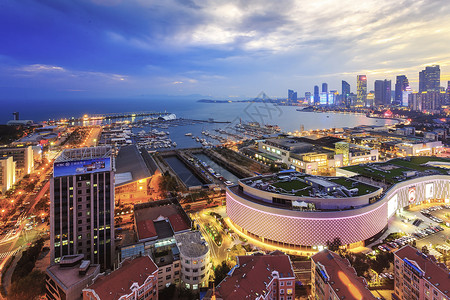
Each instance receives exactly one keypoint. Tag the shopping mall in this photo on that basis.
(302, 212)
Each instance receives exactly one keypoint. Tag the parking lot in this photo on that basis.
(425, 224)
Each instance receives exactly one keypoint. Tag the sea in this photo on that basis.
(288, 118)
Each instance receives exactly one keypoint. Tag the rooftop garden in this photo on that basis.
(392, 171)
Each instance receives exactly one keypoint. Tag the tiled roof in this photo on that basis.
(248, 280)
(118, 283)
(146, 229)
(342, 276)
(177, 222)
(437, 274)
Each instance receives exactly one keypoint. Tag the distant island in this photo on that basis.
(213, 101)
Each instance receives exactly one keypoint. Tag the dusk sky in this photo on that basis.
(221, 49)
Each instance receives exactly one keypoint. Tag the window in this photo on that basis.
(281, 292)
(187, 261)
(176, 265)
(187, 277)
(177, 272)
(187, 269)
(194, 270)
(168, 269)
(281, 283)
(289, 283)
(168, 277)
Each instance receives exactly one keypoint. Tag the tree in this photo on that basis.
(382, 262)
(28, 287)
(335, 244)
(425, 250)
(221, 272)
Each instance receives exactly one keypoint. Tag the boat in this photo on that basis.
(228, 183)
(188, 134)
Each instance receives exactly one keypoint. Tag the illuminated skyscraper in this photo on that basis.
(400, 86)
(308, 97)
(82, 205)
(344, 149)
(361, 90)
(316, 95)
(292, 96)
(430, 79)
(382, 92)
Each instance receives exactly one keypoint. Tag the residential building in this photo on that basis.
(447, 99)
(361, 90)
(332, 277)
(258, 277)
(7, 173)
(23, 156)
(430, 102)
(156, 223)
(195, 259)
(401, 85)
(345, 92)
(68, 278)
(134, 279)
(82, 205)
(419, 276)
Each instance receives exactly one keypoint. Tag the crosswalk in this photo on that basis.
(5, 254)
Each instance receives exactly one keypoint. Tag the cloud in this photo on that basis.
(223, 47)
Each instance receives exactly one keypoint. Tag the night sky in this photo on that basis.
(113, 48)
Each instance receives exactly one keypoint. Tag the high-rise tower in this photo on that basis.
(401, 85)
(82, 205)
(430, 79)
(382, 92)
(361, 90)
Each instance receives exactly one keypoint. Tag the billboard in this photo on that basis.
(392, 205)
(429, 191)
(412, 194)
(85, 166)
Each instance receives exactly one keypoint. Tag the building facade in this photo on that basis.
(82, 205)
(419, 276)
(195, 259)
(23, 156)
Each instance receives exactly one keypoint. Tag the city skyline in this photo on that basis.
(219, 49)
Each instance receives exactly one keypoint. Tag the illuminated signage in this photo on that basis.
(392, 205)
(412, 194)
(85, 166)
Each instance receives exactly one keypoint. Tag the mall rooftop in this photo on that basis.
(399, 169)
(294, 183)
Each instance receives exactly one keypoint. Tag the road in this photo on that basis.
(19, 238)
(218, 253)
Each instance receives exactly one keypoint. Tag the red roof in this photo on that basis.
(118, 283)
(435, 273)
(251, 275)
(146, 229)
(177, 222)
(345, 283)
